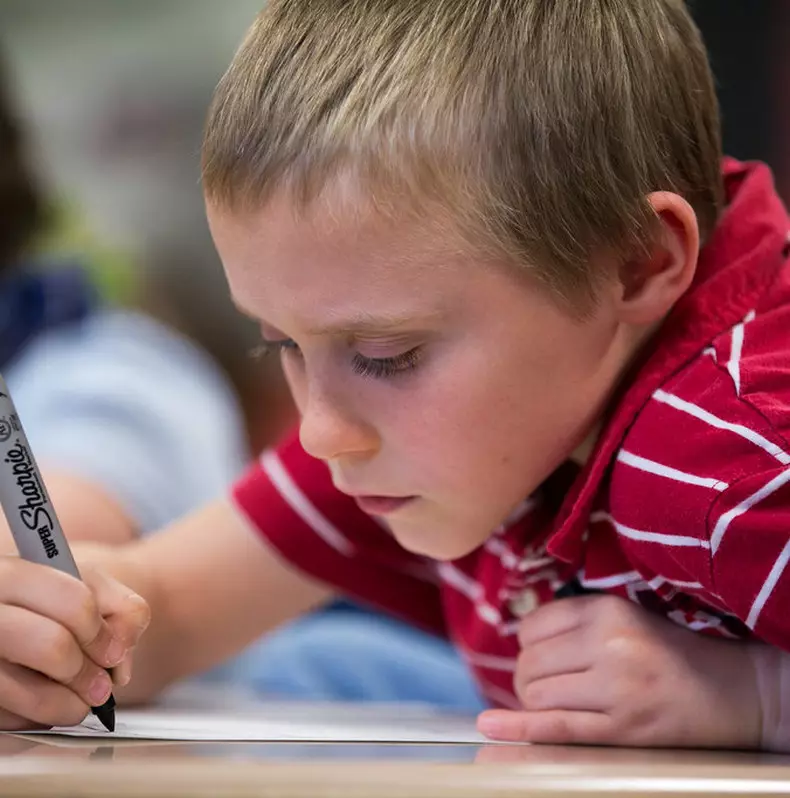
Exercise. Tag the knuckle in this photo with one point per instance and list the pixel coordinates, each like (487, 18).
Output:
(77, 672)
(532, 696)
(86, 612)
(627, 651)
(520, 688)
(59, 644)
(142, 612)
(137, 618)
(69, 668)
(636, 723)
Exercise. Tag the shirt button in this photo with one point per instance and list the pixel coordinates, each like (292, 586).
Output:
(523, 603)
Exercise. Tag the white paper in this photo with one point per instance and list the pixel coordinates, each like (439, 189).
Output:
(286, 723)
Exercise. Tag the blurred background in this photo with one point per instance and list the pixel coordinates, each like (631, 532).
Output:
(111, 96)
(113, 93)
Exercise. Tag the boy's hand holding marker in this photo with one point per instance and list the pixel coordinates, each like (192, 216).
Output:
(58, 635)
(61, 630)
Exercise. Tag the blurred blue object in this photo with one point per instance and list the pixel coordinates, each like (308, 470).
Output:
(355, 656)
(33, 300)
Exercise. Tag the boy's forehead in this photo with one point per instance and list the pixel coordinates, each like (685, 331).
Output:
(327, 274)
(358, 233)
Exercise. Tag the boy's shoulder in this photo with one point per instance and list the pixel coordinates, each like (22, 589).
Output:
(699, 493)
(733, 397)
(714, 437)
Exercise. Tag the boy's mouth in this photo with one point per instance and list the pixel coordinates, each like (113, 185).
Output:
(382, 505)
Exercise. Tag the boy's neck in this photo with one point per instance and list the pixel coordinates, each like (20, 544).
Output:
(582, 453)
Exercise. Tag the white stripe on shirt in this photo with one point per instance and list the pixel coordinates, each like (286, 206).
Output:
(472, 590)
(736, 350)
(616, 580)
(660, 470)
(460, 581)
(658, 581)
(727, 518)
(650, 537)
(714, 421)
(508, 558)
(302, 506)
(768, 586)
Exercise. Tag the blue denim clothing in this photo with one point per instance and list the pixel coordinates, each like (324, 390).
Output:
(344, 655)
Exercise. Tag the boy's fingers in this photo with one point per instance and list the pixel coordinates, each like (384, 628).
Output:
(64, 599)
(572, 692)
(556, 655)
(40, 644)
(30, 695)
(122, 675)
(557, 727)
(126, 613)
(552, 619)
(11, 722)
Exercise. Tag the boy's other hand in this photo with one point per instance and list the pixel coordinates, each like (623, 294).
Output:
(601, 670)
(57, 638)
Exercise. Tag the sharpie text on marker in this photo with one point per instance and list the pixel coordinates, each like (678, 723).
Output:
(33, 512)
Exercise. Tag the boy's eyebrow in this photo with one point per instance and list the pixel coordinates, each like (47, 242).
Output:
(362, 322)
(371, 322)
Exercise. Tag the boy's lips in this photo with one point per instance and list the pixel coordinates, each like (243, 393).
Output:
(382, 505)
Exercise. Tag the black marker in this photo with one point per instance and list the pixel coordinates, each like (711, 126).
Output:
(29, 512)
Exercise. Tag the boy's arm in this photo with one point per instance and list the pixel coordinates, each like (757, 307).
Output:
(213, 586)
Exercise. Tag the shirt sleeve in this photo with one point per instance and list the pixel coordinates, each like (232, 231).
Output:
(290, 499)
(749, 529)
(122, 401)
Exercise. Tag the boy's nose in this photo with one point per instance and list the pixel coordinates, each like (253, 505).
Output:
(327, 433)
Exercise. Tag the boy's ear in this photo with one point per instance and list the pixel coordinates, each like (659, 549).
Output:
(650, 284)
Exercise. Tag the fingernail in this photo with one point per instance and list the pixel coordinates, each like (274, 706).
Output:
(100, 689)
(116, 651)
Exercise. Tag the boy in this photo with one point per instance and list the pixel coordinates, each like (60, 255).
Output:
(514, 300)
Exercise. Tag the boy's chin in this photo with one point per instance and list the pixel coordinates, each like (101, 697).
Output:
(430, 541)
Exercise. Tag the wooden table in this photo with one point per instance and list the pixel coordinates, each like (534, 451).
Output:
(85, 768)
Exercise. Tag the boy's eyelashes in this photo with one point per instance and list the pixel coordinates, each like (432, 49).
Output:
(375, 367)
(385, 367)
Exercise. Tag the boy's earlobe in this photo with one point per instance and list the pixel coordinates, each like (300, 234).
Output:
(650, 284)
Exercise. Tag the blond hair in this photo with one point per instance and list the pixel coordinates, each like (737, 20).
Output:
(540, 125)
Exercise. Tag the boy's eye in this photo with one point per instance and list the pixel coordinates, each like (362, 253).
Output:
(375, 367)
(385, 367)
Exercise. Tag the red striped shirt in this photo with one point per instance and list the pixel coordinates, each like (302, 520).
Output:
(684, 506)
